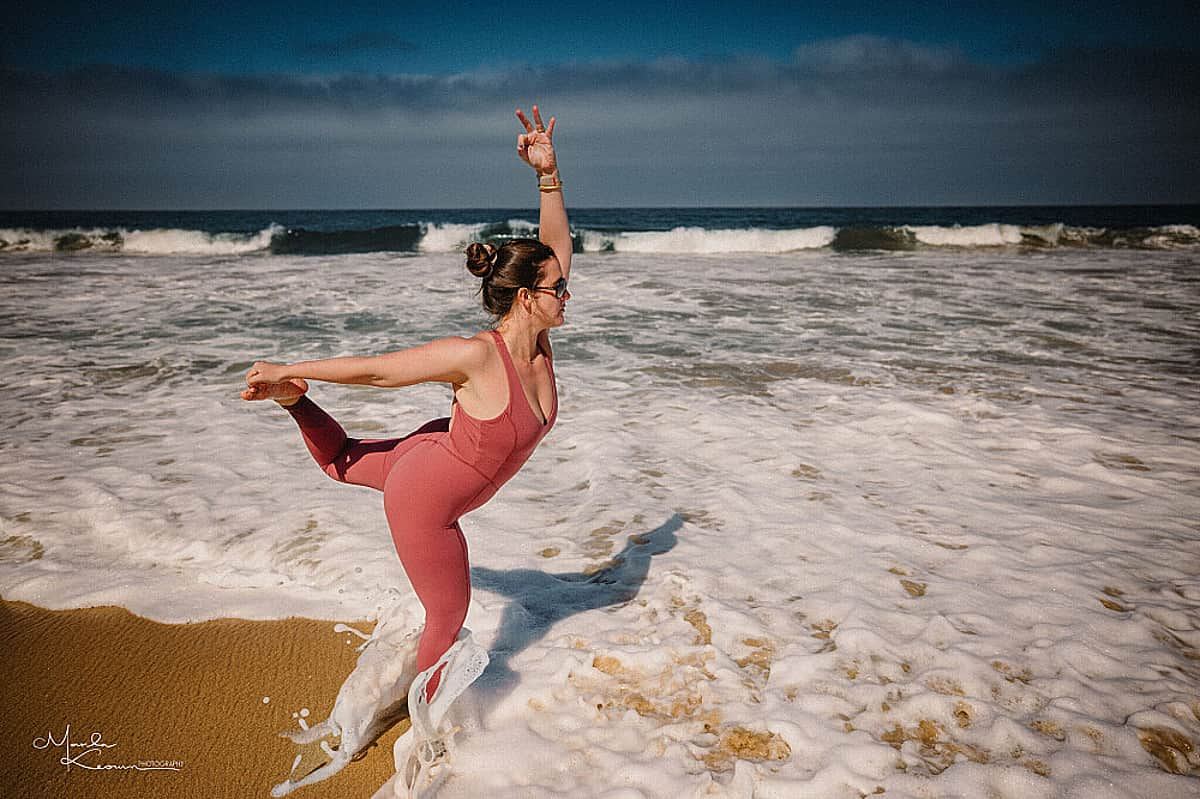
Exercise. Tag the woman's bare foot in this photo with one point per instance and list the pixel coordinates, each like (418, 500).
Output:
(285, 393)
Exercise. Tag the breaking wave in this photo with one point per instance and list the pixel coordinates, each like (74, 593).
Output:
(428, 237)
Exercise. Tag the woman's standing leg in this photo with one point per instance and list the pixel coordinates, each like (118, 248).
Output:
(433, 553)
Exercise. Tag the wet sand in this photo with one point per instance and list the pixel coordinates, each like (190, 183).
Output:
(183, 701)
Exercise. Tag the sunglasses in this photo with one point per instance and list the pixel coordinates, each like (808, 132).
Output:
(559, 288)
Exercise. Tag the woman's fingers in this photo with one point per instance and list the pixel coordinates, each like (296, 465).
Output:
(533, 136)
(537, 125)
(261, 372)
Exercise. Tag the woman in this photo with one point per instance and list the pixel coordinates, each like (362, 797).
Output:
(505, 402)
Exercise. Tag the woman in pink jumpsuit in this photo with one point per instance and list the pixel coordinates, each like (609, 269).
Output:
(505, 401)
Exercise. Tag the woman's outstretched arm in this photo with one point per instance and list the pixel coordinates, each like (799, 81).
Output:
(536, 148)
(447, 360)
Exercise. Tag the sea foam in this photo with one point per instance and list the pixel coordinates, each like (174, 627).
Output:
(706, 241)
(427, 236)
(447, 237)
(973, 236)
(808, 524)
(159, 241)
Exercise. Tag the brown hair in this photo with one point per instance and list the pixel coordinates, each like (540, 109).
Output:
(505, 270)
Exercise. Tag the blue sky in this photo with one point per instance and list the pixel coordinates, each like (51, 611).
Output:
(207, 105)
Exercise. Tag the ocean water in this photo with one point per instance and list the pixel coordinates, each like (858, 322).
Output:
(838, 499)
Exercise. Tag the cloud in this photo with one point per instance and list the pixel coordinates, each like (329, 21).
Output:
(356, 43)
(866, 54)
(859, 120)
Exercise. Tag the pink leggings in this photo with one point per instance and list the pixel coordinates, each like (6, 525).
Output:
(412, 474)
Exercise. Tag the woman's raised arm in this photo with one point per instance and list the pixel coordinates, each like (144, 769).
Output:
(536, 148)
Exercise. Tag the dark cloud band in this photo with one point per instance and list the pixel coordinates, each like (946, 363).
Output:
(861, 120)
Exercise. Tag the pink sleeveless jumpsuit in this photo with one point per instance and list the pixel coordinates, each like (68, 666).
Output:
(429, 479)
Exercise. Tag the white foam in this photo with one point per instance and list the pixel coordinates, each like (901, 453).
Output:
(195, 242)
(157, 241)
(453, 237)
(24, 239)
(1189, 231)
(448, 236)
(990, 235)
(875, 501)
(1050, 234)
(706, 241)
(522, 227)
(1173, 237)
(367, 702)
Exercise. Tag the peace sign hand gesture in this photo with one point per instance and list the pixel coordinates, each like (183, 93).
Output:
(536, 145)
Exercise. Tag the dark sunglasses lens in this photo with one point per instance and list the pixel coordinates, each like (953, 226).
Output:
(560, 287)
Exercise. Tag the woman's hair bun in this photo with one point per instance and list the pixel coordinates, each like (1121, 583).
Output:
(481, 259)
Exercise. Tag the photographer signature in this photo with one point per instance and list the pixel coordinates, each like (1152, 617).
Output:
(72, 756)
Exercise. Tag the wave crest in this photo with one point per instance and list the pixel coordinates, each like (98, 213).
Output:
(702, 241)
(431, 237)
(155, 241)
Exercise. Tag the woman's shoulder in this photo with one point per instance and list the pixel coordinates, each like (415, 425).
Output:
(478, 347)
(479, 341)
(466, 353)
(482, 338)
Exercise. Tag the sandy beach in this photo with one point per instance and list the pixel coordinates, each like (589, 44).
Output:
(184, 702)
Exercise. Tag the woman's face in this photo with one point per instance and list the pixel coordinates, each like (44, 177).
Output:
(547, 308)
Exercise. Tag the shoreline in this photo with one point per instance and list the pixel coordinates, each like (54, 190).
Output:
(154, 709)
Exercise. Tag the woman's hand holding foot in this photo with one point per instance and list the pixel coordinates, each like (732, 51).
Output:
(268, 381)
(285, 393)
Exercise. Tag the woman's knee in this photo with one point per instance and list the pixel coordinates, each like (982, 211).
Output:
(353, 463)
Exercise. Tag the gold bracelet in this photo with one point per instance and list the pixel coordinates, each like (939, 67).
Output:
(550, 187)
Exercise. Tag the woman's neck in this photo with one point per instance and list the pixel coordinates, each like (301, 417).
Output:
(520, 336)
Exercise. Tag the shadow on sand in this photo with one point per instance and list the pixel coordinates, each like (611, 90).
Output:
(541, 600)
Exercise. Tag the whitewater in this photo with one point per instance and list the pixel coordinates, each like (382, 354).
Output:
(696, 231)
(911, 522)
